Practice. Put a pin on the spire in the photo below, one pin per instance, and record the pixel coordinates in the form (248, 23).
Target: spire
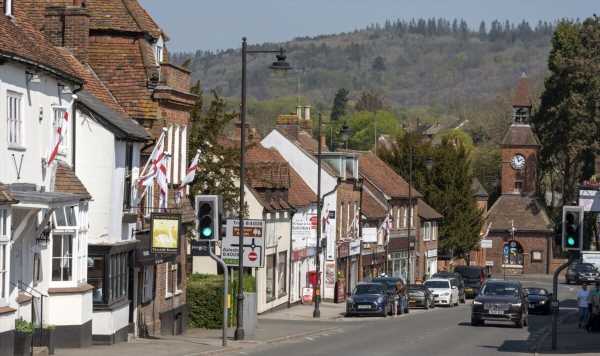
(522, 97)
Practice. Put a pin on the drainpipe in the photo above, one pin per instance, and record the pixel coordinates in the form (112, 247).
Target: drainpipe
(292, 212)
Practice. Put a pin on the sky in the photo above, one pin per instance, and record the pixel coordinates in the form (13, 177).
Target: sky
(213, 25)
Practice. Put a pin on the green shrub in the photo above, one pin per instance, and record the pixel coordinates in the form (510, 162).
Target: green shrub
(23, 326)
(205, 299)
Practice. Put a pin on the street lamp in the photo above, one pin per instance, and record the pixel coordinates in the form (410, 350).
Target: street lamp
(280, 65)
(346, 132)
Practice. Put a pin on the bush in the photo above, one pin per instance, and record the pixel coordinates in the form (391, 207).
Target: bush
(205, 299)
(23, 326)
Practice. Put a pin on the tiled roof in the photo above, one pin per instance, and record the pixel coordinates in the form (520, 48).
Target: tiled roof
(119, 62)
(65, 181)
(522, 96)
(427, 212)
(478, 189)
(308, 142)
(383, 177)
(520, 135)
(299, 193)
(5, 196)
(371, 207)
(525, 212)
(121, 15)
(20, 41)
(266, 168)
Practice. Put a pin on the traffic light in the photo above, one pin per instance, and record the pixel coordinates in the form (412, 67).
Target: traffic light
(572, 228)
(208, 212)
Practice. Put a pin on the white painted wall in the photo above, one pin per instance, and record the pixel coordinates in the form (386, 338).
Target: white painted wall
(7, 322)
(38, 131)
(107, 322)
(68, 309)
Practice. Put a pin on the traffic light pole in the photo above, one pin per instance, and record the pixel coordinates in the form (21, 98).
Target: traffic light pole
(555, 304)
(225, 290)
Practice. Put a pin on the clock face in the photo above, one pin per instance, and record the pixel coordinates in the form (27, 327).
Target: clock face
(518, 162)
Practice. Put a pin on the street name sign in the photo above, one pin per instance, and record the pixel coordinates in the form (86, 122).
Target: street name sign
(254, 251)
(200, 248)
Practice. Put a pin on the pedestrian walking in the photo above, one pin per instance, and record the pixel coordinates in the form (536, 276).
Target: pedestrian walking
(583, 299)
(594, 320)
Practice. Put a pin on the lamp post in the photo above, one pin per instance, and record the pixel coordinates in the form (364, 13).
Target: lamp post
(317, 311)
(283, 65)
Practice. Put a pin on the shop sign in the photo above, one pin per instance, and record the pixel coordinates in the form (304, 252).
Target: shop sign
(200, 248)
(369, 234)
(489, 263)
(304, 231)
(432, 253)
(165, 233)
(354, 248)
(486, 243)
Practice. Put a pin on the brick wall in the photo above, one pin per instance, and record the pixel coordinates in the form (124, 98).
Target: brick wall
(347, 194)
(529, 241)
(527, 175)
(175, 77)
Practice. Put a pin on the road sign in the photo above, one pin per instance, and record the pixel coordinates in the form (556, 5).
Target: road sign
(200, 248)
(486, 243)
(253, 243)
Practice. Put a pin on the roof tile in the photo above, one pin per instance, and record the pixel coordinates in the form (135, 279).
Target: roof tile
(427, 212)
(383, 177)
(526, 213)
(65, 181)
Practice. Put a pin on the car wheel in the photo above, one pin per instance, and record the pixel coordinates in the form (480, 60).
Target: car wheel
(519, 323)
(526, 320)
(476, 321)
(463, 300)
(426, 304)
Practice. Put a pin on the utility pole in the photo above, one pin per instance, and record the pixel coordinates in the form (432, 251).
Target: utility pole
(317, 311)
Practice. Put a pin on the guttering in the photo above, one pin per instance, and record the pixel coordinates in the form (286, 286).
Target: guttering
(56, 72)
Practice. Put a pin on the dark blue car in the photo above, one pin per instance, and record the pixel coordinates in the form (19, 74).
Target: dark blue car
(369, 299)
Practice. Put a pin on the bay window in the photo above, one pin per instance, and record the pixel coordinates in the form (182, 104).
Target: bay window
(62, 257)
(108, 272)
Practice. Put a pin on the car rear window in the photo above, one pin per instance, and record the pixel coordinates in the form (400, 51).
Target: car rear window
(500, 289)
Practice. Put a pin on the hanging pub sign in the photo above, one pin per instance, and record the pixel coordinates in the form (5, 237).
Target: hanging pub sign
(165, 233)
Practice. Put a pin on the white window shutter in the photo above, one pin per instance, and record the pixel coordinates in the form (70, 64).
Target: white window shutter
(175, 155)
(170, 150)
(184, 152)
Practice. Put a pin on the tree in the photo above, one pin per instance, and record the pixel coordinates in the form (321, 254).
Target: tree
(378, 64)
(218, 169)
(340, 103)
(447, 187)
(482, 31)
(369, 101)
(366, 126)
(568, 118)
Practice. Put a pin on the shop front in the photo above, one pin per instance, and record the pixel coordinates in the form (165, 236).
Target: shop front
(398, 256)
(373, 262)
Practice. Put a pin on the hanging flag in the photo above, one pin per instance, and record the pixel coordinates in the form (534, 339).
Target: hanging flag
(188, 179)
(150, 170)
(161, 179)
(59, 137)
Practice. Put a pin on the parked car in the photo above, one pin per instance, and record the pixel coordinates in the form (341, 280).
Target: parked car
(444, 293)
(459, 279)
(582, 273)
(473, 277)
(391, 283)
(420, 296)
(540, 300)
(368, 299)
(500, 300)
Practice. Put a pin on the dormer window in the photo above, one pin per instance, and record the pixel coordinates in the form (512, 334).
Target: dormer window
(8, 4)
(159, 47)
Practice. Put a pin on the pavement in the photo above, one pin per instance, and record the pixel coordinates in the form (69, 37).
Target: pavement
(571, 339)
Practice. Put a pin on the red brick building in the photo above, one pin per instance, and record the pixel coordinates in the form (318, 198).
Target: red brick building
(520, 230)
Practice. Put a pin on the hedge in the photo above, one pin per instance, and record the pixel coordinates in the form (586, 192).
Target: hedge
(205, 299)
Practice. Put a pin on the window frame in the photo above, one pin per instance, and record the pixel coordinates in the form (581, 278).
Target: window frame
(115, 272)
(19, 141)
(4, 273)
(148, 282)
(70, 259)
(128, 178)
(270, 274)
(282, 262)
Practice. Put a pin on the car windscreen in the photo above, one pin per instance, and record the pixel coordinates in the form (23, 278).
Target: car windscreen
(471, 273)
(535, 291)
(369, 289)
(585, 268)
(437, 284)
(390, 283)
(500, 289)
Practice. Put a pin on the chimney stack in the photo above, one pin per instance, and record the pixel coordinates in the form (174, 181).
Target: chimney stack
(288, 125)
(69, 26)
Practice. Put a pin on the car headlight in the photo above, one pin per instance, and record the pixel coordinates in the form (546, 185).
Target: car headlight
(380, 300)
(542, 302)
(445, 294)
(516, 305)
(476, 302)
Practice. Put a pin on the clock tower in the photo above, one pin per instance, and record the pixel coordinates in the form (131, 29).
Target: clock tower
(520, 146)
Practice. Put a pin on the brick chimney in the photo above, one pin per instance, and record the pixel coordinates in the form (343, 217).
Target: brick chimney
(69, 26)
(289, 125)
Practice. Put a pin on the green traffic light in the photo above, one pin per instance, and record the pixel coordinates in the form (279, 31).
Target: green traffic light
(571, 241)
(207, 232)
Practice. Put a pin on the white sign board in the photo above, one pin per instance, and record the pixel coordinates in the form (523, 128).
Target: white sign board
(304, 230)
(589, 200)
(354, 247)
(369, 235)
(254, 250)
(489, 263)
(486, 243)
